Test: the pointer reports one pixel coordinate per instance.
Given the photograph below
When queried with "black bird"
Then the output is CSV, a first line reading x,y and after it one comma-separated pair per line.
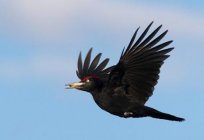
x,y
124,88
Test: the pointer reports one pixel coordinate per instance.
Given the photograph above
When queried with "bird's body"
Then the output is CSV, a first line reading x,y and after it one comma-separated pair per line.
x,y
124,88
115,102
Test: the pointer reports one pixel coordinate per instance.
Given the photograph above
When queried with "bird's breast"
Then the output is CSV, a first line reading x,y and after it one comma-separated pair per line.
x,y
109,100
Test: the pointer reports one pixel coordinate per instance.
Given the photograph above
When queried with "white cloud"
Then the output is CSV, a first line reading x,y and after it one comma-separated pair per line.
x,y
54,17
39,66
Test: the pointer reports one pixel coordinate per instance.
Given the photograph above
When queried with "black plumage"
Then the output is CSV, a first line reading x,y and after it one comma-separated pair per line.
x,y
124,88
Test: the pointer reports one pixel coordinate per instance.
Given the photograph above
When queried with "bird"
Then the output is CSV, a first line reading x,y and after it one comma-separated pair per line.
x,y
124,88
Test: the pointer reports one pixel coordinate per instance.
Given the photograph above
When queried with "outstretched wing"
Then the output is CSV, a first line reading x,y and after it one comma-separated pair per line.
x,y
94,68
139,65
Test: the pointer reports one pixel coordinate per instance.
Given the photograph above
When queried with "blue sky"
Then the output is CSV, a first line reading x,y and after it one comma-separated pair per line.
x,y
39,45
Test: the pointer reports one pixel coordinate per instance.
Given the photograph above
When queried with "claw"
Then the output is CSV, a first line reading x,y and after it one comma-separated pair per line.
x,y
127,114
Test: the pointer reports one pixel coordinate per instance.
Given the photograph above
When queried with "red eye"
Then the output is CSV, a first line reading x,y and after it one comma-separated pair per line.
x,y
89,77
85,79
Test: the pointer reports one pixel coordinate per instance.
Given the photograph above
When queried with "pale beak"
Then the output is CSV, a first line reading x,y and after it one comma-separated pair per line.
x,y
76,85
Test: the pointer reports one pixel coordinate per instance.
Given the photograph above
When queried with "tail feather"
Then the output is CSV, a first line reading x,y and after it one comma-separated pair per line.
x,y
160,115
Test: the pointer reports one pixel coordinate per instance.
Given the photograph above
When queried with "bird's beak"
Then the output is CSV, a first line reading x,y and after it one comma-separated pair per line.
x,y
77,85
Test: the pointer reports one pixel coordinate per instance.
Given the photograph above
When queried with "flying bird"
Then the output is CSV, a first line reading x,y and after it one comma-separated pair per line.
x,y
124,88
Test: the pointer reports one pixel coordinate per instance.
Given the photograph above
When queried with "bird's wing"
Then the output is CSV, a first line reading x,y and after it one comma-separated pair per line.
x,y
93,69
139,65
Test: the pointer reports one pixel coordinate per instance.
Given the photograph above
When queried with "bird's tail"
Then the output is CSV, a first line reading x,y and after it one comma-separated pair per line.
x,y
160,115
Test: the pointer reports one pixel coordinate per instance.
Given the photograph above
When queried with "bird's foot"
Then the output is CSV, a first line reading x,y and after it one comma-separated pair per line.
x,y
127,114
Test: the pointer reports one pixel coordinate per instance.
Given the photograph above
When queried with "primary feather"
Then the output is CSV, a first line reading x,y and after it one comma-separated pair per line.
x,y
93,69
140,64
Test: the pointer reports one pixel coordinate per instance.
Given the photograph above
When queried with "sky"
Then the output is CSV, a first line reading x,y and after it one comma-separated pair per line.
x,y
39,44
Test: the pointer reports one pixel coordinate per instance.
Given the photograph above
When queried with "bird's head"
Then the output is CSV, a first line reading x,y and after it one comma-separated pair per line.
x,y
88,83
92,74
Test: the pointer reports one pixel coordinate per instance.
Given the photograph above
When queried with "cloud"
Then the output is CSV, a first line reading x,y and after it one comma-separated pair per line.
x,y
38,66
73,19
54,18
